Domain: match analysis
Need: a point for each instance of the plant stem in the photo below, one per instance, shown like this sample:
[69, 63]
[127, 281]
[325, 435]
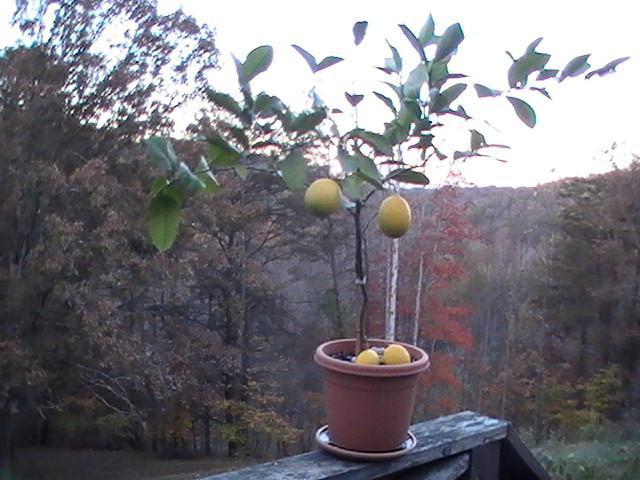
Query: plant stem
[361, 280]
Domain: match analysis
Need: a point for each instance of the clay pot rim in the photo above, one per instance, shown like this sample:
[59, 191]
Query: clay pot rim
[323, 359]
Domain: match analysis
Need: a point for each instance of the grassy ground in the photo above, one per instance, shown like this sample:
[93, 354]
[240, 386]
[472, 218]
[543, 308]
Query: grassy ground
[59, 464]
[611, 459]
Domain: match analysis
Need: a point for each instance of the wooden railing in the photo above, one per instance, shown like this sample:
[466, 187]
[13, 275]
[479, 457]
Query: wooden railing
[461, 446]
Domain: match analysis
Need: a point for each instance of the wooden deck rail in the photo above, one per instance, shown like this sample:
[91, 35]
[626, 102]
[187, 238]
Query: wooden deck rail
[461, 446]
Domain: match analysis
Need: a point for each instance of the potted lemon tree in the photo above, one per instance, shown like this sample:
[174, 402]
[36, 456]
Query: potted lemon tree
[370, 384]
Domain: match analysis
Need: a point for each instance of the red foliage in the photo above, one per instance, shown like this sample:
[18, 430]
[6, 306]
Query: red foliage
[436, 240]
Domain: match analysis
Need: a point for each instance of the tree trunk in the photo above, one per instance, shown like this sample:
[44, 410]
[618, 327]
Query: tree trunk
[537, 420]
[6, 437]
[390, 323]
[583, 353]
[338, 319]
[505, 370]
[484, 355]
[206, 420]
[416, 317]
[361, 281]
[605, 312]
[230, 393]
[194, 435]
[239, 336]
[387, 289]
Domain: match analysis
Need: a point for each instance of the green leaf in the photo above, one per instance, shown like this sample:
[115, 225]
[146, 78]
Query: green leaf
[268, 106]
[368, 168]
[426, 32]
[359, 30]
[241, 171]
[361, 165]
[608, 68]
[294, 170]
[411, 111]
[520, 70]
[543, 91]
[398, 130]
[348, 163]
[460, 112]
[258, 60]
[533, 45]
[172, 191]
[449, 41]
[442, 100]
[222, 154]
[226, 102]
[575, 67]
[265, 103]
[407, 175]
[370, 180]
[240, 136]
[483, 91]
[158, 184]
[524, 111]
[247, 96]
[439, 154]
[353, 98]
[395, 62]
[310, 59]
[238, 65]
[477, 140]
[375, 140]
[211, 184]
[188, 182]
[353, 187]
[397, 90]
[547, 74]
[164, 219]
[307, 121]
[161, 151]
[414, 41]
[328, 62]
[416, 79]
[346, 203]
[424, 141]
[438, 74]
[457, 155]
[387, 101]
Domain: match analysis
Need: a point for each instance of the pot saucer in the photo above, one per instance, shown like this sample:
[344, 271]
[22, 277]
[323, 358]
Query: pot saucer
[324, 441]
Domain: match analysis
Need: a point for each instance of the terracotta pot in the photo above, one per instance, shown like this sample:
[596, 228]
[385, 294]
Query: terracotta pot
[369, 407]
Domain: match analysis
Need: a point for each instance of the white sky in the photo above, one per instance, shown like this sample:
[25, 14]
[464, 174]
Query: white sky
[573, 130]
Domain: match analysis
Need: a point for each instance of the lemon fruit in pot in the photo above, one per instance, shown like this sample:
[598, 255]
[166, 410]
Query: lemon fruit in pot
[396, 355]
[368, 357]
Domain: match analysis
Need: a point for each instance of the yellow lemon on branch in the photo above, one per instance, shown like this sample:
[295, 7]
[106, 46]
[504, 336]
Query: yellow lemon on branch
[394, 216]
[323, 197]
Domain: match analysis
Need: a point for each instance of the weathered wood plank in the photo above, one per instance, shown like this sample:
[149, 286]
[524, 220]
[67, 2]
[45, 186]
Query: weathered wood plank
[518, 461]
[437, 439]
[450, 468]
[485, 462]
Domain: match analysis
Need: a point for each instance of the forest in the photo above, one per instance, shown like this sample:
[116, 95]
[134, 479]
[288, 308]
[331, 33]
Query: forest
[526, 299]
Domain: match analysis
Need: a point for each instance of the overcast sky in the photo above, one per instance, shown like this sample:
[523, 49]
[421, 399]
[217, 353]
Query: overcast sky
[574, 131]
